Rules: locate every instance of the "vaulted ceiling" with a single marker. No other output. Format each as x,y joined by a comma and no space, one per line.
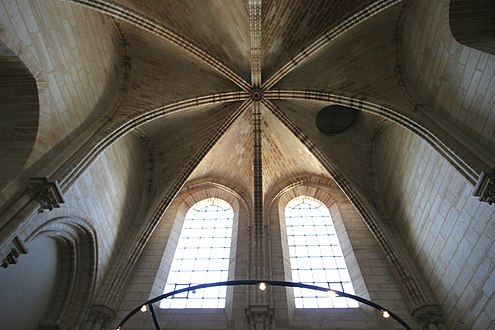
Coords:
190,50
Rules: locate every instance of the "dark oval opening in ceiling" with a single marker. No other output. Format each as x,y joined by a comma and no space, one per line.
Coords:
335,119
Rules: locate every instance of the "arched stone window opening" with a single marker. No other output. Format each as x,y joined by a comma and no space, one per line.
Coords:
472,23
202,255
316,255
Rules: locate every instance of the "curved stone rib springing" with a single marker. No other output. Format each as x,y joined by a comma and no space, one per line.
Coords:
346,25
413,289
462,166
255,35
149,25
134,249
67,174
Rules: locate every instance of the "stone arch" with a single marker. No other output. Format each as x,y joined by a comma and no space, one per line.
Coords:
351,229
29,285
164,239
19,108
447,97
178,209
77,243
325,191
472,23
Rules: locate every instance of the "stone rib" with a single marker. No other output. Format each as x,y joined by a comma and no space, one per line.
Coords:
88,153
255,35
133,250
149,25
337,31
464,168
413,289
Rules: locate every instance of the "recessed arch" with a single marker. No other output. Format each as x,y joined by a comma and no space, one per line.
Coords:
325,191
472,23
352,232
440,140
315,253
164,239
68,172
28,287
77,242
19,109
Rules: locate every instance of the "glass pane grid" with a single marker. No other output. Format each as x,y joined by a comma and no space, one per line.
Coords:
315,255
202,256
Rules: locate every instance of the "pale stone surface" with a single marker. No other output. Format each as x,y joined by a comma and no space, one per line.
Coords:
137,109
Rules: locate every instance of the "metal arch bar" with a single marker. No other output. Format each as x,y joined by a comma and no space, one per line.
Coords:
257,282
153,315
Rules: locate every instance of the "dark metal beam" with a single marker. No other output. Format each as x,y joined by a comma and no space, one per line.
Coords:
257,282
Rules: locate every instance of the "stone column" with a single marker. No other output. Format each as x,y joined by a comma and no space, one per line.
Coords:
41,195
258,314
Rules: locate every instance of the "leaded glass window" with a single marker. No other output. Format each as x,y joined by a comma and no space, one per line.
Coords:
202,256
315,254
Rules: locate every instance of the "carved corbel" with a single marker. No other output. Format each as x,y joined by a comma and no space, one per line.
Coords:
100,315
16,248
430,317
259,316
46,192
485,188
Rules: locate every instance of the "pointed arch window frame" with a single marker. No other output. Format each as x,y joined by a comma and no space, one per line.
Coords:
198,225
343,215
315,253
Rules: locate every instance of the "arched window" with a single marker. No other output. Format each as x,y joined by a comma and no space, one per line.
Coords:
315,254
202,256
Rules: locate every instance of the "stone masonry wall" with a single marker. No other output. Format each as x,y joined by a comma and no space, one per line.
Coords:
368,268
78,52
448,231
457,81
111,191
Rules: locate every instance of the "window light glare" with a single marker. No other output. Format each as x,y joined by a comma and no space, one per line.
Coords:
332,293
262,286
385,314
144,308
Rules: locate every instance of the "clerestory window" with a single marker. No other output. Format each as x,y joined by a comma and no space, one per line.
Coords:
316,255
202,256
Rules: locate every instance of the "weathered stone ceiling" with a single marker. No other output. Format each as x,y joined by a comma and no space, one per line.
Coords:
162,74
175,52
290,25
361,63
219,27
176,138
230,161
284,156
350,151
76,52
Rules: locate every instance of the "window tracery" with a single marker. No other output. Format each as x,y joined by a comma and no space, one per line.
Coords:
316,256
202,255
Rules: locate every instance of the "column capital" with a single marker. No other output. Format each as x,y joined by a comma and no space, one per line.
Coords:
101,314
259,316
15,248
46,192
429,315
485,188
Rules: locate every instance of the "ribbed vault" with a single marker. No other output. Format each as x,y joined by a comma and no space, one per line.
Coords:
228,92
